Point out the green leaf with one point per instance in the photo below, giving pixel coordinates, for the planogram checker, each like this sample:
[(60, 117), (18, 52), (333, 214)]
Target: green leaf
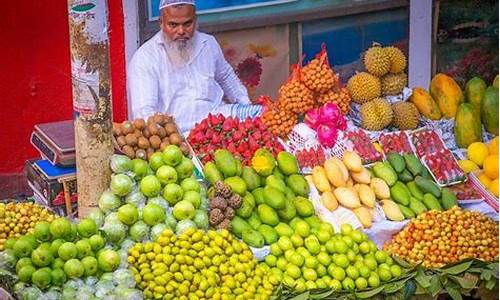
[(490, 284), (322, 295), (486, 275), (453, 292), (466, 283), (393, 287), (494, 269), (435, 286), (403, 263), (303, 296), (423, 279), (370, 293), (459, 268), (410, 289)]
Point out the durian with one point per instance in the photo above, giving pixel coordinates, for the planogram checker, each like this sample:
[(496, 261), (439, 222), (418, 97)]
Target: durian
[(364, 87), (393, 84), (376, 60), (406, 115), (397, 58), (376, 114)]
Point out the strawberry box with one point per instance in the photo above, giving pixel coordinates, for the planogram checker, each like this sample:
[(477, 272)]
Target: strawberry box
[(395, 142), (426, 141), (363, 145), (309, 158), (444, 167)]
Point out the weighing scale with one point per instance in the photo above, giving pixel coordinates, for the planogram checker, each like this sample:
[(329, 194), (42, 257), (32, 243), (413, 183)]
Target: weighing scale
[(56, 142)]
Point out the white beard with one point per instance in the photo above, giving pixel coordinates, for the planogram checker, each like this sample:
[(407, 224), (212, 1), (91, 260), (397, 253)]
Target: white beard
[(179, 51)]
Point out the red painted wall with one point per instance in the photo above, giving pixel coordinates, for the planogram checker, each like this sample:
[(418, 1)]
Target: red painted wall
[(35, 77)]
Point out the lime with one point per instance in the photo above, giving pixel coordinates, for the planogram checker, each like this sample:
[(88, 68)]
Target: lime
[(285, 243), (276, 250), (373, 281), (351, 256), (324, 258), (330, 246), (335, 285), (311, 262), (373, 247), (364, 247), (323, 236), (321, 270), (297, 241), (340, 246), (389, 261), (288, 254), (384, 274), (271, 260), (311, 285), (289, 281), (346, 229), (300, 285), (355, 248), (302, 228), (348, 240), (361, 283), (364, 271), (281, 263), (396, 271), (356, 236), (296, 259), (303, 251), (371, 263), (341, 260), (326, 227), (337, 273), (292, 271), (278, 272), (348, 284), (352, 272), (326, 278), (384, 266), (310, 274), (321, 283), (381, 256)]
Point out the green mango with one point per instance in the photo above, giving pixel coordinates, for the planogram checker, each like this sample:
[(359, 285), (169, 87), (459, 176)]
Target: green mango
[(432, 202), (238, 225), (397, 161), (212, 174), (253, 238), (287, 163), (385, 172), (289, 194), (254, 220), (289, 212), (277, 173), (428, 186), (413, 164), (239, 167), (405, 176), (237, 185), (489, 110), (270, 235), (226, 162), (304, 207), (400, 193), (414, 190), (407, 212), (312, 244), (417, 206), (283, 229), (448, 199), (247, 206), (468, 127), (258, 194), (251, 178), (267, 215), (274, 198), (313, 221), (475, 89), (276, 183), (298, 184)]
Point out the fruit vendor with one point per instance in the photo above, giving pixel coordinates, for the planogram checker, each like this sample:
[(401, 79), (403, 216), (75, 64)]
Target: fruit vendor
[(183, 72)]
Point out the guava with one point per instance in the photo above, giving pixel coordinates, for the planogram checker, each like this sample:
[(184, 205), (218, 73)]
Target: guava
[(74, 268), (108, 260), (150, 186), (60, 228), (128, 214), (121, 184), (87, 227)]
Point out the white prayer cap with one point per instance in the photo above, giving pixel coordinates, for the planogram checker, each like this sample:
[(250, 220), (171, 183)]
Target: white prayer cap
[(167, 3)]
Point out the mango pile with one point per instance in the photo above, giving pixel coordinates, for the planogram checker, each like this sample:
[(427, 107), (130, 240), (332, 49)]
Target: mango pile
[(271, 191), (199, 265), (438, 238), (310, 255), (412, 190), (17, 219)]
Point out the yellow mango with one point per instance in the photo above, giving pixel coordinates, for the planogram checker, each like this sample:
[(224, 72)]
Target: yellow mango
[(391, 210), (334, 173), (361, 177), (447, 93), (347, 197), (352, 161), (364, 215), (425, 104), (329, 201), (320, 179), (366, 195), (342, 167), (380, 188)]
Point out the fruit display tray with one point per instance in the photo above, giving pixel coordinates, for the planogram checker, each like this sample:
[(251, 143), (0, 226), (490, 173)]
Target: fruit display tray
[(467, 192), (489, 198), (362, 144), (449, 172), (426, 141), (397, 141)]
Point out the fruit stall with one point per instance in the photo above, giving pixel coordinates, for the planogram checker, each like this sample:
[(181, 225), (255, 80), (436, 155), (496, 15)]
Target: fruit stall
[(364, 189)]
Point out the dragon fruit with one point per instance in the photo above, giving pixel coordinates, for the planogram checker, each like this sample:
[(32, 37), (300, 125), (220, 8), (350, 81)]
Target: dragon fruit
[(327, 135)]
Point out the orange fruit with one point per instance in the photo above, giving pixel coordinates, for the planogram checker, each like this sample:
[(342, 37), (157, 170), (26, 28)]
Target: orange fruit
[(493, 146), (490, 166), (494, 187)]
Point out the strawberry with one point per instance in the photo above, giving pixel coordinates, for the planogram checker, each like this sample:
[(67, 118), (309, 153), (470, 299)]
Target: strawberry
[(228, 124), (231, 148)]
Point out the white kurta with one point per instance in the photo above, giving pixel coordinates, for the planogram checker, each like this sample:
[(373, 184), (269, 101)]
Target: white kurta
[(189, 92)]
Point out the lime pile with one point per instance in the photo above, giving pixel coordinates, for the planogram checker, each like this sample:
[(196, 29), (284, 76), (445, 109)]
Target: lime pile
[(310, 255), (199, 265)]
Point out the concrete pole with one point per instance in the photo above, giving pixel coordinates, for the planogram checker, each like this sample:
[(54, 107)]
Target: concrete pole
[(90, 71), (420, 54)]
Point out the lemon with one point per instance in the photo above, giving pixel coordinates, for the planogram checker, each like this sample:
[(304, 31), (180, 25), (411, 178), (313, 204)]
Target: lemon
[(477, 152), (468, 165), (493, 187), (493, 146), (491, 166), (485, 181)]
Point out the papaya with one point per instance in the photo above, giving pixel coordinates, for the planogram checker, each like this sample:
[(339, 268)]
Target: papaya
[(425, 104), (467, 126), (495, 82), (447, 94), (474, 93), (489, 110)]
